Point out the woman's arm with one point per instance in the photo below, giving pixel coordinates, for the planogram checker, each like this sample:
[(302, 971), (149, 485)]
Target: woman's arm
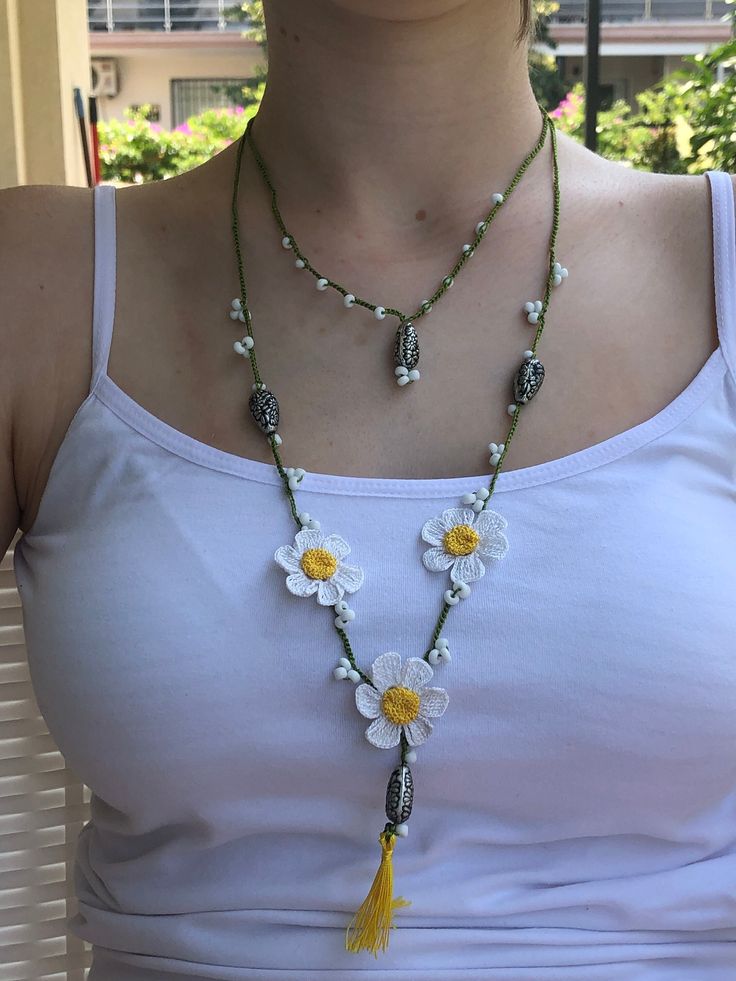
[(10, 357)]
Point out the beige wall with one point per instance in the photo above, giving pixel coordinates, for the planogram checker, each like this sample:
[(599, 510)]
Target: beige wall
[(145, 75), (44, 54), (633, 73)]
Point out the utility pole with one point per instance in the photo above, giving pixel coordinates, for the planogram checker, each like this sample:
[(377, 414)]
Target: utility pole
[(592, 77)]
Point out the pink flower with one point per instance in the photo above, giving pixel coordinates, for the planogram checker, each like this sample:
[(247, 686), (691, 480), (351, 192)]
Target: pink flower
[(183, 128)]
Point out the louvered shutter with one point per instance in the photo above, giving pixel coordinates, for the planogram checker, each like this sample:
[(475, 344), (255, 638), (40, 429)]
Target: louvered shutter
[(43, 807)]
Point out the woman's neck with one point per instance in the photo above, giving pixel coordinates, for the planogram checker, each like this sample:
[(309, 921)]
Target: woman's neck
[(365, 113)]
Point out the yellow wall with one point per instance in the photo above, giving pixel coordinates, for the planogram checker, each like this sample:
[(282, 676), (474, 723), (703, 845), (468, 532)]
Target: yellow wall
[(44, 54)]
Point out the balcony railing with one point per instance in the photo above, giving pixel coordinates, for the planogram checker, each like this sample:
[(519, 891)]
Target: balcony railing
[(628, 11), (163, 15)]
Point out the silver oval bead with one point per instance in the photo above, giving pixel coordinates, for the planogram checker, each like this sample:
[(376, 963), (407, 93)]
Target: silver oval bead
[(406, 348), (264, 408), (528, 380), (400, 794)]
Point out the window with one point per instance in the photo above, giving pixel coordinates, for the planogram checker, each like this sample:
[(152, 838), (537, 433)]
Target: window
[(190, 96)]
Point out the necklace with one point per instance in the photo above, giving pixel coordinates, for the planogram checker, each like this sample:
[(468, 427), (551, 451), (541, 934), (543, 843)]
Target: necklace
[(406, 342), (397, 697)]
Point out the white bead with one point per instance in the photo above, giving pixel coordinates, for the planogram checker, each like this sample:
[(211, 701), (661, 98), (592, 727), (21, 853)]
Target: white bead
[(448, 281), (528, 355), (237, 303), (478, 507), (557, 280), (481, 226), (462, 589), (450, 598), (445, 656), (402, 830), (501, 447), (511, 409), (441, 643), (234, 315), (277, 439), (354, 676), (299, 263), (314, 525), (497, 198), (426, 306), (249, 342), (286, 242), (483, 494), (241, 317), (322, 284), (403, 380), (529, 306), (493, 447), (348, 300), (348, 614), (469, 498), (293, 483), (340, 607), (299, 473), (341, 622), (467, 248), (400, 370), (289, 471), (340, 673), (532, 317), (414, 375), (238, 348), (345, 663), (411, 756), (379, 313), (304, 519), (495, 459), (433, 656)]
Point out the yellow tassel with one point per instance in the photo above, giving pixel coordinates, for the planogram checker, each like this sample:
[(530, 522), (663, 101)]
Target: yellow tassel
[(369, 929)]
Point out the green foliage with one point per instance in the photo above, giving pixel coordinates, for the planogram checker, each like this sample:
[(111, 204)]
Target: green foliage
[(135, 150)]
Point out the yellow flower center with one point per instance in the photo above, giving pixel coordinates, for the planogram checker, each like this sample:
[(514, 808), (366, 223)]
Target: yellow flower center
[(318, 563), (461, 540), (400, 705)]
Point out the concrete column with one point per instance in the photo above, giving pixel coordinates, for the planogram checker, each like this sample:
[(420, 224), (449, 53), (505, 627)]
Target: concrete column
[(44, 54)]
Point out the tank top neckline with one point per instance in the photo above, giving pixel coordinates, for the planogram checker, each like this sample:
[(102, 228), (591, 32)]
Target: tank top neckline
[(154, 429)]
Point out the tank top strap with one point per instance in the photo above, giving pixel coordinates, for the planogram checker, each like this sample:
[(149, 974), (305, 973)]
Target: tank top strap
[(103, 307), (724, 262)]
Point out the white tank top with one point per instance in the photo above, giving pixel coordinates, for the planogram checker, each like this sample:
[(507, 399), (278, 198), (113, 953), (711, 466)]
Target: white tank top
[(575, 815)]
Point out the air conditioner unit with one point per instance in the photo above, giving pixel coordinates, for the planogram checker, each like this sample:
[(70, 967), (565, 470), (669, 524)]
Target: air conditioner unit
[(104, 77)]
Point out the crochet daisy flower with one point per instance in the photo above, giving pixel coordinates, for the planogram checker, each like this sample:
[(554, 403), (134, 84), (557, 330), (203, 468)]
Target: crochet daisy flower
[(460, 539), (315, 565), (400, 701)]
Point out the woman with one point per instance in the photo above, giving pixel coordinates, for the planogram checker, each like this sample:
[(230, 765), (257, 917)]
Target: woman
[(575, 812)]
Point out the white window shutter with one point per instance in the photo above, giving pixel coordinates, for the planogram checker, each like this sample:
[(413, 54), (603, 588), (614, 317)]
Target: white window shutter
[(43, 807)]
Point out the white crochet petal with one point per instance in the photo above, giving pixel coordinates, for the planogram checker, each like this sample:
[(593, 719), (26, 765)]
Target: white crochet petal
[(307, 538), (493, 546), (348, 577), (416, 673), (336, 546), (433, 531), (467, 568), (386, 671), (288, 558), (488, 522), (417, 732), (437, 559), (457, 516), (328, 592), (383, 734), (301, 585), (368, 701), (433, 702)]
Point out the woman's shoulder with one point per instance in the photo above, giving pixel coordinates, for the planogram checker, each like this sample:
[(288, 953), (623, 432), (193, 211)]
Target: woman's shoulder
[(46, 261)]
